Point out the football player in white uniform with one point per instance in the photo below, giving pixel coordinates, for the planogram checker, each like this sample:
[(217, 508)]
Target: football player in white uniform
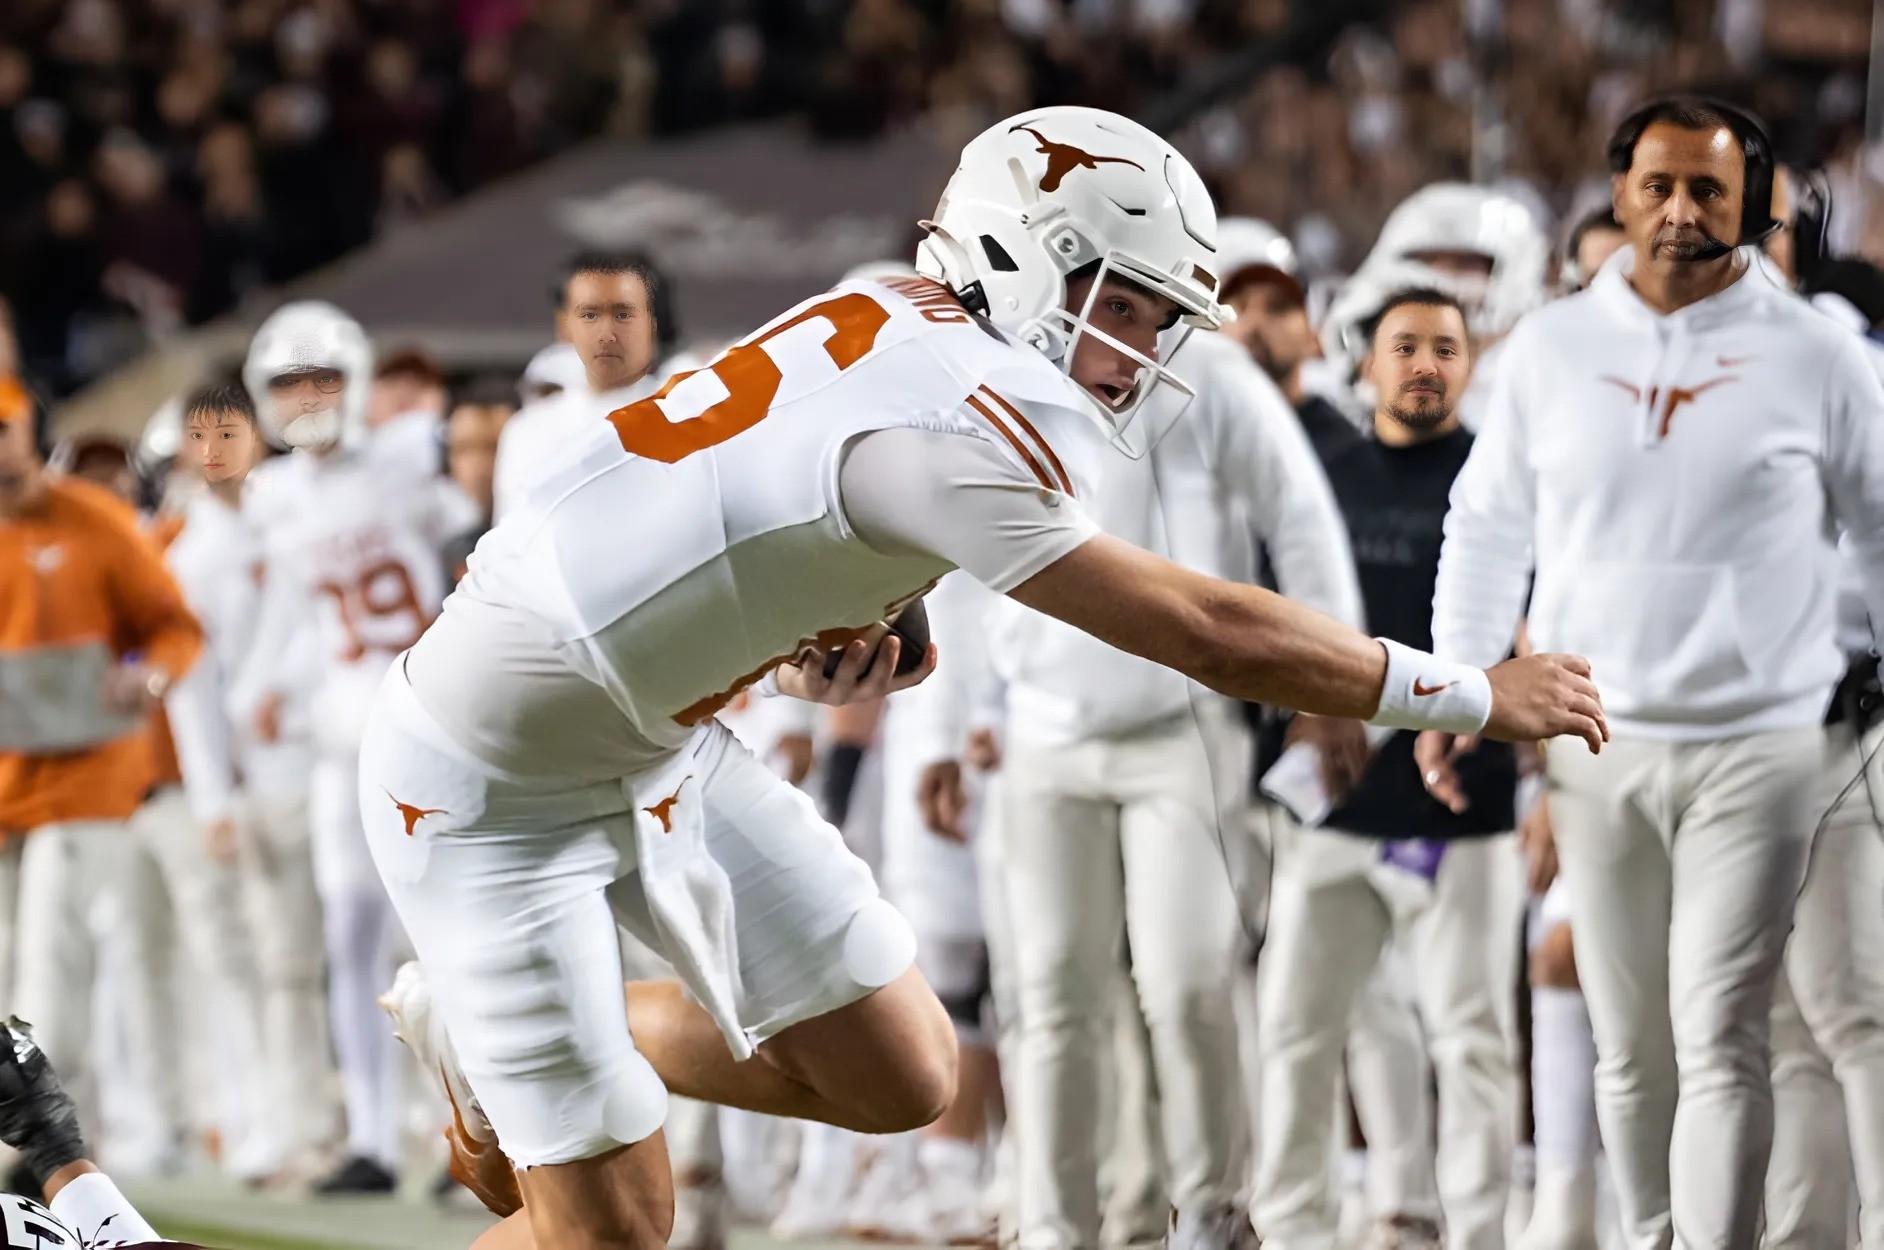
[(249, 798), (352, 531), (616, 309), (545, 764)]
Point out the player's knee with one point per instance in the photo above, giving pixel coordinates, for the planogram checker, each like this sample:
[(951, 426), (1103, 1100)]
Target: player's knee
[(1554, 961)]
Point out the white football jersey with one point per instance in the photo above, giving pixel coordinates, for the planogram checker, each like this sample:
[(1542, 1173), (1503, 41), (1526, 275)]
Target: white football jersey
[(697, 538), (351, 541), (217, 561)]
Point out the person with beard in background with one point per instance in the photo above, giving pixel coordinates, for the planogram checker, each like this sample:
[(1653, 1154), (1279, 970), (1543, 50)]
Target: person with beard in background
[(1262, 287), (1391, 867)]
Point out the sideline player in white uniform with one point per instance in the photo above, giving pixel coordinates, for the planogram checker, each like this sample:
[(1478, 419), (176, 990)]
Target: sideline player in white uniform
[(248, 798), (352, 534), (617, 311), (544, 763), (251, 795)]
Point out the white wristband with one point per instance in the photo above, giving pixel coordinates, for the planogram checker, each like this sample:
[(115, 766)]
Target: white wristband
[(1425, 692)]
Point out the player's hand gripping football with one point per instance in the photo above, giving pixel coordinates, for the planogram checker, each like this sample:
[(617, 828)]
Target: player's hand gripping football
[(867, 671)]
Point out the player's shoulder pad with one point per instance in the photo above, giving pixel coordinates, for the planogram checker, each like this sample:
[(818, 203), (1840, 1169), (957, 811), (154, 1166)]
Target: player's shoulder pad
[(1043, 418)]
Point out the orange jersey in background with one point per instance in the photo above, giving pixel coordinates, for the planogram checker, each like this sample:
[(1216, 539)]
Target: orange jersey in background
[(79, 571)]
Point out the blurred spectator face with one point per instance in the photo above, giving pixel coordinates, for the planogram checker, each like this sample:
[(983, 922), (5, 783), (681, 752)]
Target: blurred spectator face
[(40, 125), (16, 76), (1271, 324), (407, 381), (1682, 192), (19, 458), (183, 100), (129, 171), (610, 326), (471, 448), (69, 210), (106, 462), (91, 31), (1419, 364), (390, 69), (222, 445), (1128, 313), (1596, 247)]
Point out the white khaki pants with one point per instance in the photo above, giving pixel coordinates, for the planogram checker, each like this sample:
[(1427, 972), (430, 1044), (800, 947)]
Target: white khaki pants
[(1828, 1025), (1333, 910), (184, 910), (1104, 836), (1682, 861), (275, 868), (72, 881)]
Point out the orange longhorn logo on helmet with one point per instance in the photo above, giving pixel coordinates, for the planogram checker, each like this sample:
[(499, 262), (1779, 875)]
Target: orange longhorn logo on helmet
[(1064, 158)]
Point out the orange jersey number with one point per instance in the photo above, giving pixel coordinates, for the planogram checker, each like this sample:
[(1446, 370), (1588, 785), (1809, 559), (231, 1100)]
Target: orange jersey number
[(379, 612), (751, 378)]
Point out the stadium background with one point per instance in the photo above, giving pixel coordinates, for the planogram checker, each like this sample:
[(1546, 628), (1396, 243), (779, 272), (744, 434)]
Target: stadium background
[(171, 170)]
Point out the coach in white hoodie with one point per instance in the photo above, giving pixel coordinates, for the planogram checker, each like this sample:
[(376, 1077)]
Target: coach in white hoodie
[(1670, 453)]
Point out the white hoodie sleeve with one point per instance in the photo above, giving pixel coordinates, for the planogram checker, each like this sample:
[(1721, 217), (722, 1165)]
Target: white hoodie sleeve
[(1264, 456), (1854, 467), (1485, 563)]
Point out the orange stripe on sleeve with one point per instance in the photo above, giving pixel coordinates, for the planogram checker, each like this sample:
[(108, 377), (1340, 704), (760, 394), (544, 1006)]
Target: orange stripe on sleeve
[(1001, 426), (1046, 448)]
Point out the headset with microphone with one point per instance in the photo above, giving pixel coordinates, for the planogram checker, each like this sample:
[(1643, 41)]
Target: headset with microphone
[(1756, 205)]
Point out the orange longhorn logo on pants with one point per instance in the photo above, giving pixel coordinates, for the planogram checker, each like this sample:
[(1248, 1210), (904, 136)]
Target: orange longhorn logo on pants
[(413, 815)]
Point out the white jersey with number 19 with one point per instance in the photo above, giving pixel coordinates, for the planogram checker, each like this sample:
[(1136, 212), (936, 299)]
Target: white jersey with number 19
[(800, 487)]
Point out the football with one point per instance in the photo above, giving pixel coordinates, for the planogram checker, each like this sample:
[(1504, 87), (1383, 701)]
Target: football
[(912, 626)]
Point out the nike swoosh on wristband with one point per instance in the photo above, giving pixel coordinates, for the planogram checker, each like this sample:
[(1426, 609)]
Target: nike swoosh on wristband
[(1423, 690)]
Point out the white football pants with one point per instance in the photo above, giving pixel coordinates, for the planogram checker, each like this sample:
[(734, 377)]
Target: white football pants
[(275, 866), (362, 938), (1101, 836), (184, 913), (1333, 909), (1828, 1024), (1682, 861)]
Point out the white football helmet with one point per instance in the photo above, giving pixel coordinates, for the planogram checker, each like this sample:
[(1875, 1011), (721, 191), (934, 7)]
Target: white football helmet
[(1249, 243), (161, 440), (553, 369), (1360, 299), (306, 337), (28, 1225), (1050, 192), (1459, 218)]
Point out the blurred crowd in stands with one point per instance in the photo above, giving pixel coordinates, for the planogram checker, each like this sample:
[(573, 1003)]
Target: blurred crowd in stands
[(159, 159)]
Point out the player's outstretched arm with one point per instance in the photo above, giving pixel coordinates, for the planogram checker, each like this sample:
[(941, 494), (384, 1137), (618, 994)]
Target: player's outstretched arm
[(1252, 644)]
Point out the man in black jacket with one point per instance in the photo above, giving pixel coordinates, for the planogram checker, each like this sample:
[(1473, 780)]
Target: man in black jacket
[(1390, 866)]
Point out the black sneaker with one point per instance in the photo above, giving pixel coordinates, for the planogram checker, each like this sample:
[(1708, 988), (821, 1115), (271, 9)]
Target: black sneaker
[(37, 1117), (358, 1175)]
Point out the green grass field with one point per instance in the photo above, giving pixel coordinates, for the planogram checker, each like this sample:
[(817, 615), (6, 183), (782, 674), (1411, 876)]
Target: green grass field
[(216, 1213)]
